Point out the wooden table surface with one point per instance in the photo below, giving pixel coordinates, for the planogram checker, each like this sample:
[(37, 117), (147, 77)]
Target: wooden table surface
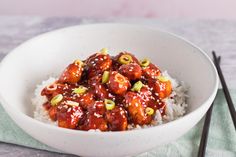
[(218, 35)]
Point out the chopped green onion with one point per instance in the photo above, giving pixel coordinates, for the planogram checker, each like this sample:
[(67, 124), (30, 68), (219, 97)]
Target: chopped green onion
[(52, 87), (137, 86), (145, 62), (162, 78), (125, 59), (149, 111), (56, 99), (104, 51), (109, 104), (79, 62), (80, 90), (105, 77)]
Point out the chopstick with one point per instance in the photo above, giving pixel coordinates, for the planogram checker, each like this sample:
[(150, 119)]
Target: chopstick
[(205, 131), (225, 89)]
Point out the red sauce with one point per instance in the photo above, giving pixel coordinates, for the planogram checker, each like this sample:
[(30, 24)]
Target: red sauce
[(87, 110)]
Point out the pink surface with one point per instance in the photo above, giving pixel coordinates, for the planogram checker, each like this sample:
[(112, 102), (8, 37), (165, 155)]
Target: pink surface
[(225, 9)]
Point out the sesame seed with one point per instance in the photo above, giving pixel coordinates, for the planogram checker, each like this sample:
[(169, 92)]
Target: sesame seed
[(97, 115), (69, 109)]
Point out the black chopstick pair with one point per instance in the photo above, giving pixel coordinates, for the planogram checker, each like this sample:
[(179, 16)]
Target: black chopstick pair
[(203, 143), (226, 90)]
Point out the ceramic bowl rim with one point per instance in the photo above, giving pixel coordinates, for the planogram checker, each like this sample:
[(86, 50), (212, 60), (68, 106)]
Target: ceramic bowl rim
[(71, 131)]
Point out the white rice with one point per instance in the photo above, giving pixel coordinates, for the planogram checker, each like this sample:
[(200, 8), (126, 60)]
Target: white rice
[(40, 113), (175, 107)]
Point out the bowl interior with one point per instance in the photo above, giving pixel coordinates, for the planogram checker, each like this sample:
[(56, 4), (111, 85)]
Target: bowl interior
[(48, 54)]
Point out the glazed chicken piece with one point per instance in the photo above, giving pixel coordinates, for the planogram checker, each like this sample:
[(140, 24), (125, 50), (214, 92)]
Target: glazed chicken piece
[(93, 81), (68, 116), (97, 64), (85, 99), (135, 109), (95, 117), (117, 83), (132, 71), (156, 104), (53, 113), (99, 89), (101, 92), (98, 107), (121, 59), (117, 119), (149, 99), (162, 88), (151, 71), (72, 73), (94, 122), (146, 94)]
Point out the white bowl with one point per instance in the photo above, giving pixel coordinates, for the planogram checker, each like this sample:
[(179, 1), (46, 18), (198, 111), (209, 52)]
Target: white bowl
[(48, 54)]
